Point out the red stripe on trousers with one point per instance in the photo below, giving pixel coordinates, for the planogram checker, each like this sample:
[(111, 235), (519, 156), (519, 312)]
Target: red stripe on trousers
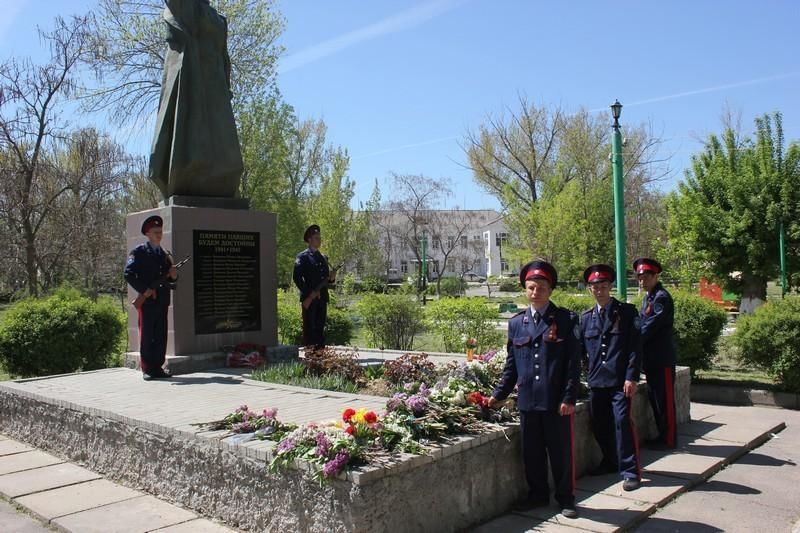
[(635, 437), (141, 360), (670, 407), (572, 448)]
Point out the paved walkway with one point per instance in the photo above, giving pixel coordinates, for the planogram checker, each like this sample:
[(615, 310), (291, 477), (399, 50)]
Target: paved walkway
[(716, 437)]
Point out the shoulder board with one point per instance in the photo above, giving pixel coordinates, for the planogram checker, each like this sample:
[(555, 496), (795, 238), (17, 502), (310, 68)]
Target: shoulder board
[(588, 311), (519, 313)]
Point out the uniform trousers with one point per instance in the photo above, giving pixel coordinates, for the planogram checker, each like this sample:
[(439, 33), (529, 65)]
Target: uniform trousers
[(548, 434), (661, 391), (152, 336), (613, 427), (314, 323)]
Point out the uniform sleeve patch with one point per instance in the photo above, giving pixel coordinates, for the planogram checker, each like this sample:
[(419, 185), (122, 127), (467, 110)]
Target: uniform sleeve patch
[(637, 322), (131, 259), (577, 331), (658, 308)]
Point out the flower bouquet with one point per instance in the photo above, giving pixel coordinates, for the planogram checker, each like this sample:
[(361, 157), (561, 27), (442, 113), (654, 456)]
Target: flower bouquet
[(264, 426)]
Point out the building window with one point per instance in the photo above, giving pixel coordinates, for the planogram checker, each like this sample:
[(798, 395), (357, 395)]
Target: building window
[(500, 239), (437, 243), (451, 242), (464, 266), (404, 267), (503, 265), (463, 241)]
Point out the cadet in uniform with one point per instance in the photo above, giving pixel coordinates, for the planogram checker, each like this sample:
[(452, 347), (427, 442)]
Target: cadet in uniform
[(311, 275), (543, 361), (150, 272), (611, 342), (658, 350)]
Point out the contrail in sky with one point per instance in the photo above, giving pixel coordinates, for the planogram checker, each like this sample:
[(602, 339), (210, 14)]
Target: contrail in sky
[(395, 23), (406, 146), (716, 88)]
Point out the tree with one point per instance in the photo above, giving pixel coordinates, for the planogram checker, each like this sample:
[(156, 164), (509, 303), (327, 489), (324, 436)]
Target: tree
[(128, 54), (29, 126), (732, 203)]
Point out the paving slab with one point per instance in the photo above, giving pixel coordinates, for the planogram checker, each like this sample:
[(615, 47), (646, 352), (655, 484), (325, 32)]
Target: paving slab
[(597, 512), (655, 489), (681, 465), (45, 478), (747, 431), (26, 460), (62, 501), (14, 521), (516, 523), (8, 447), (200, 525), (138, 515)]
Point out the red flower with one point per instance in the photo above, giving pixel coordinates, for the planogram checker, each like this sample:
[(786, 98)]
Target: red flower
[(349, 430), (347, 414), (476, 398), (370, 417)]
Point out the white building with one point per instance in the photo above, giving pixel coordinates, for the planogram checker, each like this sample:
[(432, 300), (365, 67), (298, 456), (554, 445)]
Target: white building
[(465, 243)]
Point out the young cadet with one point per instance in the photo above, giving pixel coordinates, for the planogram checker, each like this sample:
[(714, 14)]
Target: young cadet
[(658, 350), (150, 272), (311, 276), (544, 362), (611, 342)]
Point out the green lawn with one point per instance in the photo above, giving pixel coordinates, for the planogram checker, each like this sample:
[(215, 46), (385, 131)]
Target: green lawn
[(424, 342), (728, 369)]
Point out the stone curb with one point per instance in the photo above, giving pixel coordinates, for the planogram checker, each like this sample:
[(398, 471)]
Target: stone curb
[(731, 395)]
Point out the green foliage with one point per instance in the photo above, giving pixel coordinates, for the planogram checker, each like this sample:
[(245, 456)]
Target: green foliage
[(456, 319), (390, 320), (294, 373), (290, 321), (62, 333), (728, 210), (409, 368), (338, 327), (768, 338), (698, 327), (508, 285), (575, 302), (452, 286), (373, 284)]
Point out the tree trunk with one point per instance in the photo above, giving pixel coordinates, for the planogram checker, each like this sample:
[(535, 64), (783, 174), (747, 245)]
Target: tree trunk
[(30, 262), (754, 293)]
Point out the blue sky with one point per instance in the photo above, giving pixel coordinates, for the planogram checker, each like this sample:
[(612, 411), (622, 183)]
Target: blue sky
[(399, 82)]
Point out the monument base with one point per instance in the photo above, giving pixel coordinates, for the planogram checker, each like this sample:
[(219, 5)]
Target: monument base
[(199, 362), (227, 293), (205, 201)]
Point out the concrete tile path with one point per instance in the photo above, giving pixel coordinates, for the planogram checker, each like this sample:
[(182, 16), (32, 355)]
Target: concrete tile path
[(763, 486)]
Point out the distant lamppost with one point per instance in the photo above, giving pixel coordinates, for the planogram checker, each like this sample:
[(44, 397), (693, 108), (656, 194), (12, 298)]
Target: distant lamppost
[(423, 267), (619, 203)]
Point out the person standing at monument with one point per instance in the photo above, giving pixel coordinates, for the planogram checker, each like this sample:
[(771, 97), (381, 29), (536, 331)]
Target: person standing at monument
[(150, 272), (543, 361), (611, 342), (312, 276), (658, 350)]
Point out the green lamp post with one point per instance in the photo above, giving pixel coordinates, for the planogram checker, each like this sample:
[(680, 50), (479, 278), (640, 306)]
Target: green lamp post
[(619, 203)]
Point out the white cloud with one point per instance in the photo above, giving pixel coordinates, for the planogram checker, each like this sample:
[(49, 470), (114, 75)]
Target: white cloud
[(395, 23)]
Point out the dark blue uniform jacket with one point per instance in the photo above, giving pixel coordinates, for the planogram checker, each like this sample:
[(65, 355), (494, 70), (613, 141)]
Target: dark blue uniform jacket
[(310, 269), (543, 360), (145, 265), (658, 344), (612, 344)]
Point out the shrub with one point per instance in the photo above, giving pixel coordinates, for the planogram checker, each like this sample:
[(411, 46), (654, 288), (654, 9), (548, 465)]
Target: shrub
[(338, 327), (290, 322), (575, 302), (768, 338), (452, 286), (456, 319), (409, 368), (328, 361), (373, 284), (508, 285), (391, 320), (698, 327), (62, 333)]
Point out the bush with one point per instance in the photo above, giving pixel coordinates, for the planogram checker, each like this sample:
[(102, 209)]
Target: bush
[(338, 327), (769, 338), (390, 320), (329, 361), (373, 284), (62, 333), (508, 285), (456, 319), (698, 327), (290, 322), (577, 303), (452, 286), (409, 368)]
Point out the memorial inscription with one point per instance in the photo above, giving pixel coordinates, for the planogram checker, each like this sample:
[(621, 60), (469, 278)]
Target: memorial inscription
[(227, 282)]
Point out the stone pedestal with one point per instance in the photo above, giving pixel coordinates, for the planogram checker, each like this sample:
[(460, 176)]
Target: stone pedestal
[(227, 292)]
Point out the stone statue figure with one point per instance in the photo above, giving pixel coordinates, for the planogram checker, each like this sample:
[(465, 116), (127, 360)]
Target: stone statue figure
[(196, 149)]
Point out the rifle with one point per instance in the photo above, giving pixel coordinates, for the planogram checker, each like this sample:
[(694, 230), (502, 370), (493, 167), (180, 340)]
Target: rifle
[(315, 293), (139, 301)]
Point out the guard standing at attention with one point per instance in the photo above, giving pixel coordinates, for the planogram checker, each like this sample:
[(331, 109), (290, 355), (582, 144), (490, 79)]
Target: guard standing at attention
[(612, 344), (150, 272), (658, 350), (312, 276), (544, 362)]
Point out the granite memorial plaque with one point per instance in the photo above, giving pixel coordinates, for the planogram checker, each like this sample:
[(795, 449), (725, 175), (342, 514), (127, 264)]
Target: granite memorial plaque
[(227, 284)]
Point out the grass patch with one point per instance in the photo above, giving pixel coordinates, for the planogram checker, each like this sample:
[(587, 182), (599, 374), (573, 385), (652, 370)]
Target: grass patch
[(423, 342), (294, 373), (728, 369)]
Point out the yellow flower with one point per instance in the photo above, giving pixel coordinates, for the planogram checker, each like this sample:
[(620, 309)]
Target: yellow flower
[(359, 416)]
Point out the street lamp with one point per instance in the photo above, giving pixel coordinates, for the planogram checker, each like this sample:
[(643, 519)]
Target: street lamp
[(619, 203)]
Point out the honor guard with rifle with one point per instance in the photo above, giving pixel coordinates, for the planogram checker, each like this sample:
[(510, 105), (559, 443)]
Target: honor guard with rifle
[(312, 276), (151, 273)]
